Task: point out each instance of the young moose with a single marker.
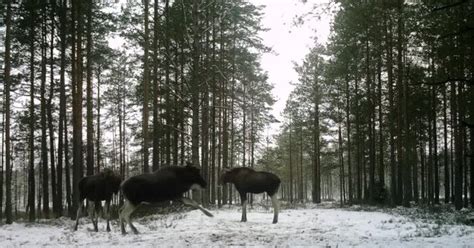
(165, 184)
(247, 180)
(97, 188)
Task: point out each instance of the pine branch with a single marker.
(449, 5)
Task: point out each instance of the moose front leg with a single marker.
(276, 208)
(243, 199)
(107, 214)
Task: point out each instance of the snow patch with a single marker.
(314, 227)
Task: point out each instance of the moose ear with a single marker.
(225, 169)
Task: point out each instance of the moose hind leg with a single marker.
(276, 207)
(78, 215)
(194, 204)
(92, 214)
(127, 210)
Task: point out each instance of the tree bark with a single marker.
(7, 69)
(146, 79)
(89, 105)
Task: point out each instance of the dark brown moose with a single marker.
(247, 180)
(166, 184)
(95, 189)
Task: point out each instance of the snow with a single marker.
(316, 227)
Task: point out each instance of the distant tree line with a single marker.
(384, 112)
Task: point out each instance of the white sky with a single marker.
(289, 43)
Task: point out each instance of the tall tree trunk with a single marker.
(316, 144)
(471, 142)
(341, 164)
(7, 69)
(50, 115)
(205, 141)
(391, 119)
(401, 141)
(290, 162)
(2, 166)
(167, 83)
(435, 150)
(77, 100)
(89, 105)
(146, 79)
(44, 147)
(62, 106)
(31, 138)
(370, 124)
(195, 87)
(447, 183)
(349, 144)
(98, 141)
(156, 93)
(381, 171)
(358, 142)
(457, 150)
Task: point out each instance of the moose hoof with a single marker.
(134, 230)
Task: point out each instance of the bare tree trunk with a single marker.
(89, 114)
(44, 147)
(146, 79)
(31, 138)
(316, 144)
(54, 190)
(290, 162)
(349, 144)
(358, 143)
(447, 183)
(381, 171)
(471, 142)
(67, 169)
(195, 88)
(8, 181)
(2, 167)
(205, 141)
(341, 164)
(98, 151)
(156, 93)
(77, 101)
(167, 128)
(62, 106)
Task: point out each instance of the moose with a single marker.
(247, 180)
(165, 184)
(95, 189)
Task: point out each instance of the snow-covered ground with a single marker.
(315, 227)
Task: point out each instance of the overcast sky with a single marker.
(289, 43)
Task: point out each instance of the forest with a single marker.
(381, 115)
